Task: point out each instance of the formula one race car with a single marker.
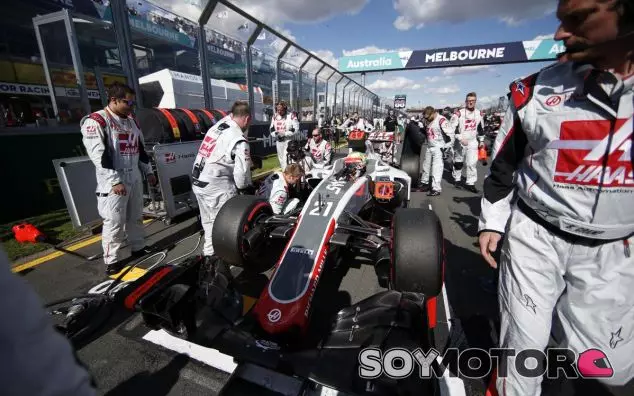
(355, 212)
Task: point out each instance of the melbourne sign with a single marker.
(512, 52)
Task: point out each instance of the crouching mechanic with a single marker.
(386, 151)
(437, 128)
(222, 169)
(115, 145)
(560, 188)
(284, 126)
(320, 150)
(469, 136)
(276, 187)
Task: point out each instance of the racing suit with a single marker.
(361, 125)
(222, 167)
(561, 187)
(386, 151)
(321, 152)
(275, 189)
(469, 132)
(283, 128)
(433, 164)
(116, 147)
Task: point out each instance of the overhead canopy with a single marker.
(485, 54)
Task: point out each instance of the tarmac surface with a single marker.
(125, 363)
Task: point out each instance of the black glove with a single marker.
(256, 162)
(291, 130)
(248, 190)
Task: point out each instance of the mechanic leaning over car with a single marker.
(320, 150)
(566, 209)
(438, 135)
(222, 167)
(115, 145)
(284, 126)
(275, 187)
(469, 136)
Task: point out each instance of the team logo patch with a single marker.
(207, 147)
(170, 158)
(128, 144)
(582, 149)
(553, 101)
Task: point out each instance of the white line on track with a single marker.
(430, 207)
(209, 356)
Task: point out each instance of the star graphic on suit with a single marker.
(530, 304)
(616, 338)
(519, 87)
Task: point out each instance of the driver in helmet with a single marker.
(276, 187)
(354, 166)
(296, 155)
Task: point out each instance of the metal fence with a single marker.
(211, 53)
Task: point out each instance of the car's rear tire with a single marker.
(417, 252)
(236, 217)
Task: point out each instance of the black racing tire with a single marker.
(236, 217)
(417, 252)
(410, 164)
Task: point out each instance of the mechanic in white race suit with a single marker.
(563, 197)
(386, 151)
(469, 136)
(115, 145)
(437, 128)
(320, 150)
(276, 186)
(222, 167)
(284, 126)
(356, 122)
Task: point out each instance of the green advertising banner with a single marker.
(485, 54)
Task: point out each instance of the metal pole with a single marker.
(334, 106)
(203, 57)
(328, 113)
(363, 79)
(250, 42)
(207, 11)
(315, 90)
(343, 98)
(278, 66)
(299, 88)
(47, 72)
(121, 25)
(102, 89)
(79, 68)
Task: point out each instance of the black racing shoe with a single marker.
(422, 187)
(140, 253)
(433, 193)
(472, 189)
(114, 268)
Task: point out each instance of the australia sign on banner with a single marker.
(400, 101)
(486, 54)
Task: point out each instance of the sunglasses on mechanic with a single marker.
(130, 103)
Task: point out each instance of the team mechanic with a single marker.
(437, 128)
(320, 150)
(469, 136)
(222, 168)
(565, 150)
(284, 126)
(276, 186)
(115, 145)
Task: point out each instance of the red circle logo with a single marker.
(553, 100)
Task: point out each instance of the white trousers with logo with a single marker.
(588, 286)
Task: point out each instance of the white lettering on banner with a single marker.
(383, 61)
(556, 49)
(184, 76)
(42, 90)
(146, 26)
(473, 54)
(221, 51)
